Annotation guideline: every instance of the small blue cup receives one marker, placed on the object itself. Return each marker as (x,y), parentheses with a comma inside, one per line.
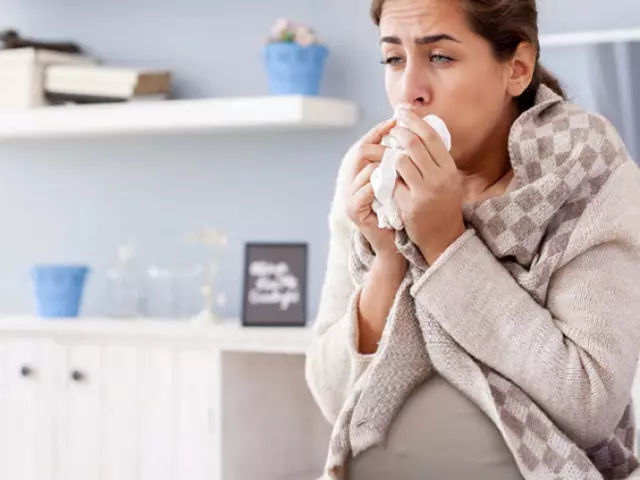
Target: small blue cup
(58,289)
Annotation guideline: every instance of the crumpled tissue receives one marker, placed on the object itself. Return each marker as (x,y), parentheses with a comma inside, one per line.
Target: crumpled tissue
(383,179)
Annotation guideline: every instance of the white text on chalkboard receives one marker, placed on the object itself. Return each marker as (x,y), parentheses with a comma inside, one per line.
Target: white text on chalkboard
(273,284)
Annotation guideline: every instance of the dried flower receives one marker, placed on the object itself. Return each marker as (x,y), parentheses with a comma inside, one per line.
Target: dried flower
(284,30)
(280,27)
(305,36)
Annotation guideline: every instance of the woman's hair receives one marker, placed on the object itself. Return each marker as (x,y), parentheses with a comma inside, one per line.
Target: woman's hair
(505,24)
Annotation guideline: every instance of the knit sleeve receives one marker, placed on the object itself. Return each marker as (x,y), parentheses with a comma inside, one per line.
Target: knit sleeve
(577,357)
(333,364)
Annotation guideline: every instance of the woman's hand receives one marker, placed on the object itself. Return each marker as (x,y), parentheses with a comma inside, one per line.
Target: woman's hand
(430,193)
(390,266)
(360,193)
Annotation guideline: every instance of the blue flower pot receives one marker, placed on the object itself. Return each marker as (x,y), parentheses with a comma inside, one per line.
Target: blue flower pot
(58,289)
(293,69)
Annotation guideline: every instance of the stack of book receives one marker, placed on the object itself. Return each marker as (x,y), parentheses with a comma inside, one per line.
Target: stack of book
(32,77)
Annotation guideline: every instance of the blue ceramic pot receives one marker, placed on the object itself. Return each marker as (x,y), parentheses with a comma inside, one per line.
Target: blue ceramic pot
(293,69)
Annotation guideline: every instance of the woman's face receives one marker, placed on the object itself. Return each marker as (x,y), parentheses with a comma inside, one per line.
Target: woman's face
(438,64)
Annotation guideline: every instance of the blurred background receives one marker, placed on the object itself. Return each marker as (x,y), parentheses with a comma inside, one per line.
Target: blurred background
(146,210)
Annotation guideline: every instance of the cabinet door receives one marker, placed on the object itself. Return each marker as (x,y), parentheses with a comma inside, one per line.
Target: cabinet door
(198,420)
(178,414)
(133,412)
(29,404)
(107,433)
(119,412)
(156,406)
(79,413)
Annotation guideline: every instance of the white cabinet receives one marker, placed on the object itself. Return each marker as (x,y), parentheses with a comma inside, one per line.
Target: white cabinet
(98,400)
(85,411)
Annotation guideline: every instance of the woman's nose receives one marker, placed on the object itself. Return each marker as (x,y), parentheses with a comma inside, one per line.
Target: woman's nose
(415,87)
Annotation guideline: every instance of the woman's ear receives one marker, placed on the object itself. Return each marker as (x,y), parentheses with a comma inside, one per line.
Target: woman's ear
(522,66)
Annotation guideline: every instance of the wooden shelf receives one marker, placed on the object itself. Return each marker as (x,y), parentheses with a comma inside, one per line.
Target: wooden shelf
(269,113)
(595,37)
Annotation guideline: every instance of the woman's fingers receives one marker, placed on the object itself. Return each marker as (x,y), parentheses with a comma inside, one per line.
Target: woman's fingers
(359,207)
(415,149)
(428,136)
(402,196)
(368,149)
(409,172)
(365,195)
(371,152)
(377,133)
(363,177)
(367,153)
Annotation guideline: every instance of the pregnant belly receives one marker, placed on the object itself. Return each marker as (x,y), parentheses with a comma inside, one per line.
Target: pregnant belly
(439,434)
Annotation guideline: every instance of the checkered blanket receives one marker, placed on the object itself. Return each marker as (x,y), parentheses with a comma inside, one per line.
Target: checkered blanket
(561,158)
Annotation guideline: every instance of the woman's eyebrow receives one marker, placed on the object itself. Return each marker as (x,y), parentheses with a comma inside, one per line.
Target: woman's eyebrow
(421,40)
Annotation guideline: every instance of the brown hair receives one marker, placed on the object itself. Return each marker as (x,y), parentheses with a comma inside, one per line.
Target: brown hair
(505,24)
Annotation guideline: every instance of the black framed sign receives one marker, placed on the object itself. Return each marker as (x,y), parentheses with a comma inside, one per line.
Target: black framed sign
(275,284)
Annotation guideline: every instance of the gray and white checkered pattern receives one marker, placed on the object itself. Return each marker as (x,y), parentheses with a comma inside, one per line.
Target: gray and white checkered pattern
(541,449)
(575,153)
(561,157)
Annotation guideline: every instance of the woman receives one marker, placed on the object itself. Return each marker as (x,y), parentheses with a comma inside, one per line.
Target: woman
(496,335)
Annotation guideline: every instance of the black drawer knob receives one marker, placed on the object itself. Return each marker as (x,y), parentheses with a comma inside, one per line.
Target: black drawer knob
(77,376)
(26,371)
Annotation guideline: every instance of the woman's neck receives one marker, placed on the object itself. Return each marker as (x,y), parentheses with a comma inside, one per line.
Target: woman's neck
(489,173)
(487,182)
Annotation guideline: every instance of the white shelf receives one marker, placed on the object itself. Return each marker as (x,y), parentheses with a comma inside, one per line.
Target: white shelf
(590,38)
(267,113)
(228,336)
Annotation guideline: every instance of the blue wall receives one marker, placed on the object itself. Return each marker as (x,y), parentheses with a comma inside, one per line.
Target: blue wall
(77,200)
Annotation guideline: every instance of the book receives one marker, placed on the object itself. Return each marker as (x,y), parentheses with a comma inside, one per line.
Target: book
(103,81)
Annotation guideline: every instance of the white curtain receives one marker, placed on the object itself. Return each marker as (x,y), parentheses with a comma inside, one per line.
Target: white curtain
(613,74)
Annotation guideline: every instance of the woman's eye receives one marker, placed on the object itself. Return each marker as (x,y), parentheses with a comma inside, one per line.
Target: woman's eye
(440,59)
(391,61)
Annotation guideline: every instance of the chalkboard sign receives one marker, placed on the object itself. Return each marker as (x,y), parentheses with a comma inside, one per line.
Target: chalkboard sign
(275,284)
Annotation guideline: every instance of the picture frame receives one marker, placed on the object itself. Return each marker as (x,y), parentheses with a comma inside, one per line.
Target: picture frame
(275,284)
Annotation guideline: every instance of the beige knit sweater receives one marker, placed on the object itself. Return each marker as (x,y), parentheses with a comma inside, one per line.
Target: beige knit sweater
(551,315)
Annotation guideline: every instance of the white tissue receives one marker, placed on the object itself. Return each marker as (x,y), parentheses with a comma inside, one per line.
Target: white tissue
(383,179)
